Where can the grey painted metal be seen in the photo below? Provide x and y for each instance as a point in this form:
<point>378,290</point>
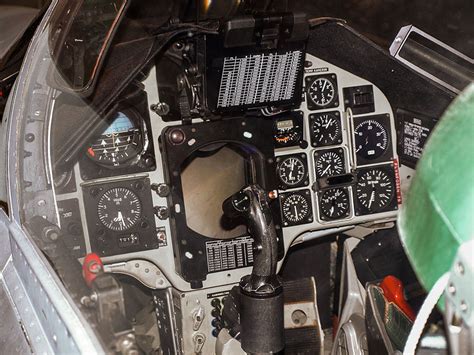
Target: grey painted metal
<point>12,335</point>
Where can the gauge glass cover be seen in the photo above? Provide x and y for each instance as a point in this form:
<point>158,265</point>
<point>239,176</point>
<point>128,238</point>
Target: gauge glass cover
<point>322,92</point>
<point>119,209</point>
<point>292,171</point>
<point>325,129</point>
<point>329,163</point>
<point>119,143</point>
<point>375,189</point>
<point>371,139</point>
<point>295,208</point>
<point>287,132</point>
<point>334,203</point>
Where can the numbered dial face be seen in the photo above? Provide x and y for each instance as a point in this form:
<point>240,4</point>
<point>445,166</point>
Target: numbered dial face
<point>119,143</point>
<point>292,171</point>
<point>329,163</point>
<point>296,209</point>
<point>375,190</point>
<point>334,204</point>
<point>325,129</point>
<point>322,92</point>
<point>288,132</point>
<point>371,139</point>
<point>119,209</point>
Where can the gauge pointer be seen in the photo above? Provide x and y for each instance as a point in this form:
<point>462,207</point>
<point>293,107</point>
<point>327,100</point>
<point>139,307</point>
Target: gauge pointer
<point>324,171</point>
<point>372,198</point>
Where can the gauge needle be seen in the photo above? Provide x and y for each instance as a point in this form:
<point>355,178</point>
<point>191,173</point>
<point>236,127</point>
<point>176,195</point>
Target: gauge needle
<point>372,198</point>
<point>328,124</point>
<point>324,171</point>
<point>296,212</point>
<point>120,218</point>
<point>331,211</point>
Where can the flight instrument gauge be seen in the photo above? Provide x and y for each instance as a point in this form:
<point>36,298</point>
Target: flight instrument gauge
<point>292,170</point>
<point>120,143</point>
<point>119,209</point>
<point>334,204</point>
<point>288,130</point>
<point>296,207</point>
<point>321,92</point>
<point>371,138</point>
<point>325,129</point>
<point>375,190</point>
<point>329,162</point>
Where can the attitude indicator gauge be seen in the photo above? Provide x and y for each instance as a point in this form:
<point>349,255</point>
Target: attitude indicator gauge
<point>375,189</point>
<point>334,204</point>
<point>120,143</point>
<point>119,209</point>
<point>329,162</point>
<point>296,207</point>
<point>325,129</point>
<point>288,131</point>
<point>321,92</point>
<point>292,170</point>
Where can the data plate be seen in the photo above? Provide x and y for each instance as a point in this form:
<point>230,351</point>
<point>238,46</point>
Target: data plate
<point>229,254</point>
<point>413,132</point>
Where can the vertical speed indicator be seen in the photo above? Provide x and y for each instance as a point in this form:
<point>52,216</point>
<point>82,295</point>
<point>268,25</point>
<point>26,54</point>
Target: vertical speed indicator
<point>119,209</point>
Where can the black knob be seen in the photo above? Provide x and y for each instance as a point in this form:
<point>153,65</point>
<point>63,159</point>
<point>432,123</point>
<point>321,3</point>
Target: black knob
<point>162,190</point>
<point>161,212</point>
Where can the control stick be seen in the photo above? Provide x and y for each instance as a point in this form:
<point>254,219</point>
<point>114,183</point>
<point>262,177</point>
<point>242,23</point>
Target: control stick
<point>261,292</point>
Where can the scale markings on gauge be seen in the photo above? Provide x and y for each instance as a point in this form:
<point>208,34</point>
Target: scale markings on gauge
<point>292,170</point>
<point>375,189</point>
<point>296,207</point>
<point>371,139</point>
<point>325,129</point>
<point>322,92</point>
<point>329,162</point>
<point>119,209</point>
<point>334,204</point>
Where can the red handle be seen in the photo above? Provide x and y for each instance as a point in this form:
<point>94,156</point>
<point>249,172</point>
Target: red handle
<point>393,292</point>
<point>91,267</point>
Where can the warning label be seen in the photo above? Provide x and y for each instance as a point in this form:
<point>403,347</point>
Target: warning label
<point>229,254</point>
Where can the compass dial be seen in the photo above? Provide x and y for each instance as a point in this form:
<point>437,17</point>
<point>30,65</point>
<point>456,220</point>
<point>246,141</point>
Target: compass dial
<point>325,129</point>
<point>119,143</point>
<point>329,162</point>
<point>334,204</point>
<point>322,92</point>
<point>296,208</point>
<point>292,170</point>
<point>371,139</point>
<point>375,189</point>
<point>119,209</point>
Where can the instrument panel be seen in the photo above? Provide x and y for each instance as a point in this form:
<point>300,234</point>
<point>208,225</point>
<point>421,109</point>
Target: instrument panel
<point>333,160</point>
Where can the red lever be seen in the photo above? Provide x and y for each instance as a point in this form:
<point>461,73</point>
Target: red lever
<point>393,291</point>
<point>91,267</point>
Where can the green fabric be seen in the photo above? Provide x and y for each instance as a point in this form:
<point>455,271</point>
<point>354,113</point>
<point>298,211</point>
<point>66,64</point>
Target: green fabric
<point>437,215</point>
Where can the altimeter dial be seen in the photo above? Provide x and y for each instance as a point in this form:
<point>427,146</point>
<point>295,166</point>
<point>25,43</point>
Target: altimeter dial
<point>292,170</point>
<point>329,162</point>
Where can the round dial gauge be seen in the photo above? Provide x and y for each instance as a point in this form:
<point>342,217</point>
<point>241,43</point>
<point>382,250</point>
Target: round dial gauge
<point>119,143</point>
<point>322,92</point>
<point>371,139</point>
<point>326,129</point>
<point>334,203</point>
<point>287,132</point>
<point>295,208</point>
<point>119,209</point>
<point>292,171</point>
<point>329,163</point>
<point>374,190</point>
